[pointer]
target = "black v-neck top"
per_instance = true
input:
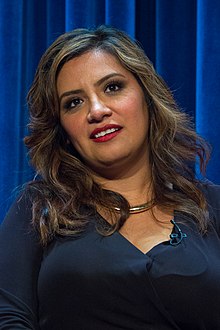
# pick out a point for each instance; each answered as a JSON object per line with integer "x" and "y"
{"x": 105, "y": 283}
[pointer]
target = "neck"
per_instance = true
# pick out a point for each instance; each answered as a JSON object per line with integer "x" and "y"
{"x": 135, "y": 187}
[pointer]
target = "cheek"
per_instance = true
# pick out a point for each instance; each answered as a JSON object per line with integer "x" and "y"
{"x": 136, "y": 109}
{"x": 71, "y": 128}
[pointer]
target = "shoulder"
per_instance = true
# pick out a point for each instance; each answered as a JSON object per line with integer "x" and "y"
{"x": 19, "y": 214}
{"x": 18, "y": 228}
{"x": 212, "y": 195}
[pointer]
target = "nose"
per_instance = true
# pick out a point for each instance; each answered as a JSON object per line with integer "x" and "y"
{"x": 97, "y": 111}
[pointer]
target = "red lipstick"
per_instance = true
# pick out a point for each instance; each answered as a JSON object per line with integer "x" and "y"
{"x": 105, "y": 133}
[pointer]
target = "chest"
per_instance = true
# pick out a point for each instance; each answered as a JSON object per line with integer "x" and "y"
{"x": 146, "y": 231}
{"x": 179, "y": 283}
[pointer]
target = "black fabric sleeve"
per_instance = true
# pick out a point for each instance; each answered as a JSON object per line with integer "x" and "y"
{"x": 20, "y": 259}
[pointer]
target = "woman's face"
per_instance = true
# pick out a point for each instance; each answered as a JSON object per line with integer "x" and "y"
{"x": 104, "y": 112}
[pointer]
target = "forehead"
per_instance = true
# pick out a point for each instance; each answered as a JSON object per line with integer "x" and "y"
{"x": 95, "y": 61}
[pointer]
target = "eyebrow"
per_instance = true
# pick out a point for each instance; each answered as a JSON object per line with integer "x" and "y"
{"x": 98, "y": 83}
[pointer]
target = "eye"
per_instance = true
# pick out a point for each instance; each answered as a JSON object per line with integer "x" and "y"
{"x": 113, "y": 87}
{"x": 73, "y": 103}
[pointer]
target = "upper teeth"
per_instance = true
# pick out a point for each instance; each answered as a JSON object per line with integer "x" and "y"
{"x": 108, "y": 131}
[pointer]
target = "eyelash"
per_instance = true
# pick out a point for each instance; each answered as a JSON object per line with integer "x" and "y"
{"x": 68, "y": 106}
{"x": 119, "y": 84}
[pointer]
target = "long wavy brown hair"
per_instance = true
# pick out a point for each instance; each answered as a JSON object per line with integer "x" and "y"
{"x": 66, "y": 195}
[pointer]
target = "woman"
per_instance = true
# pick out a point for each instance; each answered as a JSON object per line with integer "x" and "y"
{"x": 116, "y": 232}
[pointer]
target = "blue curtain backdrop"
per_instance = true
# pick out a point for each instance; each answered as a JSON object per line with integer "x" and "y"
{"x": 181, "y": 37}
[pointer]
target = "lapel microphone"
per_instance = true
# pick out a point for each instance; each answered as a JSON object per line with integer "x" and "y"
{"x": 177, "y": 235}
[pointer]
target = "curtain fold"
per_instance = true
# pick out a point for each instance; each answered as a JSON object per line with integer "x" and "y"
{"x": 180, "y": 37}
{"x": 176, "y": 49}
{"x": 207, "y": 111}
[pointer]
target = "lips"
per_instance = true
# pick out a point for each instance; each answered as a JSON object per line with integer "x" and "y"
{"x": 101, "y": 132}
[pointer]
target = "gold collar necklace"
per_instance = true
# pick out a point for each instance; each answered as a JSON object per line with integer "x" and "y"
{"x": 139, "y": 208}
